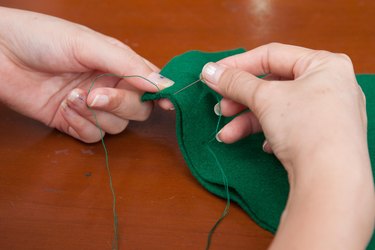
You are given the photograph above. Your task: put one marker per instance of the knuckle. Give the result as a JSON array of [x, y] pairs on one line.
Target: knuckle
[[323, 55], [262, 92], [335, 61], [129, 106], [274, 44], [344, 57], [240, 86], [344, 61], [115, 103], [232, 79], [134, 62]]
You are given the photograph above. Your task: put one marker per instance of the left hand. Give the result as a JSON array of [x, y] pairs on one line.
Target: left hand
[[47, 65]]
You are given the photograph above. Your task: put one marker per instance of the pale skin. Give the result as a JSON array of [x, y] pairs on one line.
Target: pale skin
[[314, 119], [312, 112], [46, 68]]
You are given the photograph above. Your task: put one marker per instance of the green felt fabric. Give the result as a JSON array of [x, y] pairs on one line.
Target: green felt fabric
[[257, 181]]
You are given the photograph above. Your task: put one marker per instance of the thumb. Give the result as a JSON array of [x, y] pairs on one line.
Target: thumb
[[234, 84], [95, 52]]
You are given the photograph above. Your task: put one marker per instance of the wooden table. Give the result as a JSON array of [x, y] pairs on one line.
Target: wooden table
[[54, 191]]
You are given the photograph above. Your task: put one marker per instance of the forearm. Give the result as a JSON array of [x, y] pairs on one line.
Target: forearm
[[11, 75], [331, 205]]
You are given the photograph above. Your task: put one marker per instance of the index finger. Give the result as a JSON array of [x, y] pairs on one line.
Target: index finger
[[97, 53]]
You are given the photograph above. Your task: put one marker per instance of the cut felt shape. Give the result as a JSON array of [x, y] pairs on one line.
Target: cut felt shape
[[257, 180]]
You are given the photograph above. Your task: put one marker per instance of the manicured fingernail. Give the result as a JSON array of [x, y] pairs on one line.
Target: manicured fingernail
[[64, 106], [100, 101], [161, 81], [217, 137], [201, 78], [211, 72], [265, 147], [217, 109], [172, 108], [75, 96], [66, 109]]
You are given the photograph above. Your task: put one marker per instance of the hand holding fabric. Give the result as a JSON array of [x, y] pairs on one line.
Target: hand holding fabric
[[313, 115], [47, 65]]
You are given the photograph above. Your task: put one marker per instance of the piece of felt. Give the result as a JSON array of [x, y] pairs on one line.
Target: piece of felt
[[257, 180]]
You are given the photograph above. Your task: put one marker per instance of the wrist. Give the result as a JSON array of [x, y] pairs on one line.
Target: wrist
[[331, 202]]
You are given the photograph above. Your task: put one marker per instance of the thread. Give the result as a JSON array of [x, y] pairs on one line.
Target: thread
[[187, 86], [225, 179], [115, 217], [115, 220], [225, 182], [227, 206], [123, 77]]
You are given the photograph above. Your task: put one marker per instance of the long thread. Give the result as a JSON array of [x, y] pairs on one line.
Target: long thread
[[227, 206], [225, 182], [115, 217]]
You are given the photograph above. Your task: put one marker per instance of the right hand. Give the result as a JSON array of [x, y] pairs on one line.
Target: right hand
[[312, 112], [307, 100]]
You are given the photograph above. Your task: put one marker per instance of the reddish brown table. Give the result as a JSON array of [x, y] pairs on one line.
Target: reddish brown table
[[54, 190]]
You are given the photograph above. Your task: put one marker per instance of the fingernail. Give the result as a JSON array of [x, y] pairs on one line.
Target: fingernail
[[74, 96], [172, 108], [100, 101], [217, 137], [211, 72], [64, 106], [161, 81], [264, 146], [201, 78], [217, 109]]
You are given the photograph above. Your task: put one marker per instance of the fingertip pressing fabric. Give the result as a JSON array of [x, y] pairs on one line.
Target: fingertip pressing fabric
[[257, 181]]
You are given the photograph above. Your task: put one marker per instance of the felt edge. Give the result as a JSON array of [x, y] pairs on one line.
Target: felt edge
[[213, 188], [264, 225]]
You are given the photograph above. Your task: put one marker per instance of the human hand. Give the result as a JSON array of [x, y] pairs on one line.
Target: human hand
[[304, 91], [313, 115], [47, 65]]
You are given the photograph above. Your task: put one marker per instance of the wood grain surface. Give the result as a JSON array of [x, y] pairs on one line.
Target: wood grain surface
[[54, 191]]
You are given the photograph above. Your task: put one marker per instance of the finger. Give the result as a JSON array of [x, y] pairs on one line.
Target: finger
[[278, 59], [109, 122], [267, 147], [123, 103], [95, 52], [228, 107], [240, 127], [118, 43], [166, 104], [237, 85], [151, 65], [79, 127]]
